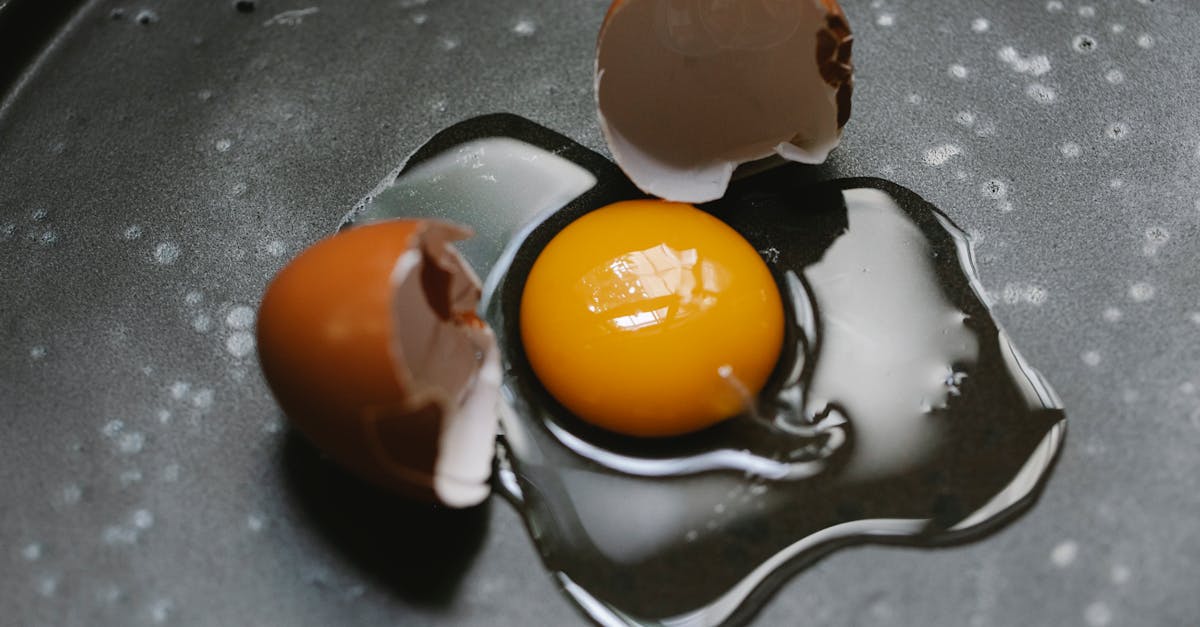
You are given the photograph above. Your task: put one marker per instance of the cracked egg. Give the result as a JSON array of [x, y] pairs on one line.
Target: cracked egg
[[370, 342], [686, 90]]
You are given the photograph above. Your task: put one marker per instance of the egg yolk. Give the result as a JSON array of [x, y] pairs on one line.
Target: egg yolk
[[651, 318]]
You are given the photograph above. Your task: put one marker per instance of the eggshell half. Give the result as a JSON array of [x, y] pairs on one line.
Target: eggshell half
[[686, 90], [370, 342]]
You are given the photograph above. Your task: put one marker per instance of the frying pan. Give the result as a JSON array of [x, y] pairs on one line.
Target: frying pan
[[154, 176]]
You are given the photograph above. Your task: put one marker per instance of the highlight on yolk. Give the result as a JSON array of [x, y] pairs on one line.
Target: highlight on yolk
[[651, 318]]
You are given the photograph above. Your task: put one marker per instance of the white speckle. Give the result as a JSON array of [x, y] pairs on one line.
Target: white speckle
[[525, 27], [193, 298], [985, 129], [885, 19], [143, 519], [276, 248], [179, 389], [939, 155], [31, 552], [132, 232], [202, 323], [238, 189], [203, 398], [1035, 294], [1117, 29], [1156, 238], [419, 18], [719, 508], [1117, 130], [112, 428], [1087, 11], [1054, 6], [7, 231], [1141, 292], [980, 25], [37, 352], [223, 145], [1033, 65], [1097, 614], [47, 238], [131, 443], [994, 189], [255, 523], [961, 175], [448, 43], [1145, 41], [171, 473], [1116, 183], [691, 535], [1070, 150], [273, 426], [204, 95], [291, 18], [164, 416], [166, 253], [160, 610], [71, 494], [913, 99], [1119, 574], [39, 215], [130, 477], [1114, 76], [1041, 93], [1194, 317], [1112, 314], [1130, 396], [1028, 293], [116, 535], [1091, 358], [47, 586], [965, 118], [1083, 43], [240, 317], [240, 344], [1064, 554], [1187, 388], [957, 71]]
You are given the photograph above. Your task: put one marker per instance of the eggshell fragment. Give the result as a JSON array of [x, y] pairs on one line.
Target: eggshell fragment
[[370, 342], [686, 90]]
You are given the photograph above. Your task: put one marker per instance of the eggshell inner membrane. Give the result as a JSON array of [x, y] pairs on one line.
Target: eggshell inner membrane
[[688, 89], [446, 356]]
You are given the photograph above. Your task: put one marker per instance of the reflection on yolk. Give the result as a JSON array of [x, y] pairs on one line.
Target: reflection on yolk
[[651, 318], [655, 286]]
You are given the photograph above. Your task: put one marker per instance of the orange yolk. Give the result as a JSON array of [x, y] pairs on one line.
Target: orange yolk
[[651, 318]]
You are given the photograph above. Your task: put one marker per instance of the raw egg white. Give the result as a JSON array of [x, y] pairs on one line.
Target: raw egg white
[[651, 318]]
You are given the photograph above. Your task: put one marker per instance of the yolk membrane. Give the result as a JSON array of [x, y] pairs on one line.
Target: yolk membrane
[[651, 318]]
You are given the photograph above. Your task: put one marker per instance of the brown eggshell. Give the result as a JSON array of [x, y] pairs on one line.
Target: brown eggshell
[[686, 90], [370, 343]]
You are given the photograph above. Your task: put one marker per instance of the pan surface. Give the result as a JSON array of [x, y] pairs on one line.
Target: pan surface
[[160, 161]]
